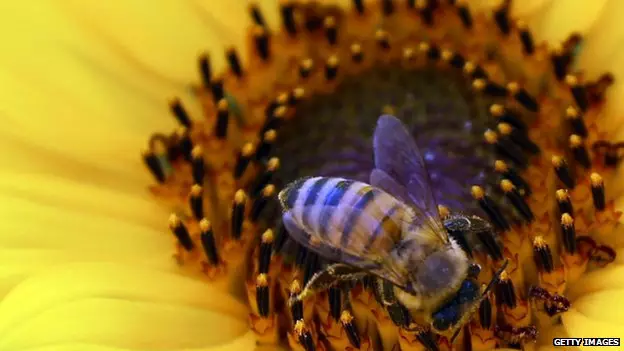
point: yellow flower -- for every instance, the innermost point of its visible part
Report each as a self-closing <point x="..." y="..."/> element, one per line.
<point x="84" y="253"/>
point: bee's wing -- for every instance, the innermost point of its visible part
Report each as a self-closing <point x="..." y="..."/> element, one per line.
<point x="404" y="172"/>
<point x="357" y="253"/>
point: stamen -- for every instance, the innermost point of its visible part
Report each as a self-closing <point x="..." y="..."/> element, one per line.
<point x="504" y="115"/>
<point x="464" y="14"/>
<point x="197" y="202"/>
<point x="563" y="200"/>
<point x="454" y="59"/>
<point x="208" y="241"/>
<point x="505" y="292"/>
<point x="331" y="68"/>
<point x="256" y="15"/>
<point x="518" y="137"/>
<point x="180" y="113"/>
<point x="276" y="118"/>
<point x="347" y="323"/>
<point x="563" y="171"/>
<point x="266" y="145"/>
<point x="244" y="157"/>
<point x="553" y="304"/>
<point x="223" y="116"/>
<point x="387" y="7"/>
<point x="569" y="233"/>
<point x="181" y="233"/>
<point x="516" y="199"/>
<point x="489" y="88"/>
<point x="310" y="266"/>
<point x="234" y="62"/>
<point x="474" y="71"/>
<point x="262" y="294"/>
<point x="427" y="339"/>
<point x="507" y="172"/>
<point x="305" y="68"/>
<point x="382" y="39"/>
<point x="359" y="6"/>
<point x="197" y="164"/>
<point x="490" y="207"/>
<point x="205" y="71"/>
<point x="560" y="60"/>
<point x="485" y="313"/>
<point x="261" y="40"/>
<point x="501" y="17"/>
<point x="153" y="164"/>
<point x="287" y="10"/>
<point x="280" y="236"/>
<point x="331" y="33"/>
<point x="577" y="124"/>
<point x="431" y="50"/>
<point x="523" y="97"/>
<point x="296" y="309"/>
<point x="492" y="246"/>
<point x="334" y="297"/>
<point x="426" y="12"/>
<point x="238" y="213"/>
<point x="356" y="53"/>
<point x="542" y="255"/>
<point x="271" y="167"/>
<point x="578" y="92"/>
<point x="305" y="337"/>
<point x="267" y="193"/>
<point x="596" y="90"/>
<point x="579" y="151"/>
<point x="506" y="148"/>
<point x="266" y="248"/>
<point x="216" y="87"/>
<point x="598" y="192"/>
<point x="186" y="145"/>
<point x="526" y="38"/>
<point x="296" y="96"/>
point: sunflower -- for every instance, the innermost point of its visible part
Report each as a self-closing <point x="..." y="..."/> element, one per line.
<point x="510" y="102"/>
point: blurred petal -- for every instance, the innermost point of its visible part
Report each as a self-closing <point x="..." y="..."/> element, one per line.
<point x="581" y="326"/>
<point x="119" y="306"/>
<point x="559" y="18"/>
<point x="602" y="306"/>
<point x="607" y="278"/>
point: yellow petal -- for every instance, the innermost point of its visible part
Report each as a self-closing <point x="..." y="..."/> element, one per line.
<point x="611" y="277"/>
<point x="120" y="306"/>
<point x="604" y="306"/>
<point x="559" y="18"/>
<point x="580" y="326"/>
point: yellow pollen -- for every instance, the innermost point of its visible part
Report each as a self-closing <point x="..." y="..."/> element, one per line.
<point x="497" y="110"/>
<point x="477" y="192"/>
<point x="521" y="25"/>
<point x="346" y="317"/>
<point x="174" y="221"/>
<point x="380" y="34"/>
<point x="571" y="80"/>
<point x="557" y="161"/>
<point x="268" y="190"/>
<point x="596" y="179"/>
<point x="196" y="190"/>
<point x="270" y="135"/>
<point x="248" y="149"/>
<point x="575" y="141"/>
<point x="446" y="55"/>
<point x="424" y="46"/>
<point x="443" y="211"/>
<point x="469" y="67"/>
<point x="571" y="112"/>
<point x="504" y="276"/>
<point x="307" y="63"/>
<point x="222" y="105"/>
<point x="513" y="87"/>
<point x="478" y="84"/>
<point x="300" y="327"/>
<point x="282" y="98"/>
<point x="295" y="287"/>
<point x="504" y="128"/>
<point x="506" y="185"/>
<point x="332" y="61"/>
<point x="262" y="280"/>
<point x="562" y="195"/>
<point x="557" y="49"/>
<point x="205" y="225"/>
<point x="539" y="242"/>
<point x="267" y="236"/>
<point x="567" y="220"/>
<point x="280" y="112"/>
<point x="500" y="166"/>
<point x="240" y="196"/>
<point x="490" y="136"/>
<point x="273" y="163"/>
<point x="197" y="152"/>
<point x="421" y="4"/>
<point x="356" y="48"/>
<point x="299" y="93"/>
<point x="408" y="53"/>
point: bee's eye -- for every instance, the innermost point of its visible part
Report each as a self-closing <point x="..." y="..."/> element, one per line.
<point x="444" y="318"/>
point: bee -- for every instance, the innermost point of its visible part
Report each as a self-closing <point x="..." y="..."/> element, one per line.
<point x="391" y="229"/>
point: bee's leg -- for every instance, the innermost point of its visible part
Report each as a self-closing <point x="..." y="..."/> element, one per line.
<point x="385" y="292"/>
<point x="332" y="275"/>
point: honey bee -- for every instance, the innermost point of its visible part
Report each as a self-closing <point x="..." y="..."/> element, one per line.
<point x="391" y="229"/>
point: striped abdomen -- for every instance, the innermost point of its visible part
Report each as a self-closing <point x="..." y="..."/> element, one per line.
<point x="346" y="214"/>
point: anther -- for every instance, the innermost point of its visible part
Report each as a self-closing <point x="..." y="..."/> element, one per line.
<point x="153" y="164"/>
<point x="180" y="113"/>
<point x="505" y="292"/>
<point x="296" y="96"/>
<point x="331" y="68"/>
<point x="334" y="297"/>
<point x="261" y="41"/>
<point x="492" y="247"/>
<point x="300" y="256"/>
<point x="356" y="53"/>
<point x="387" y="7"/>
<point x="427" y="339"/>
<point x="186" y="145"/>
<point x="266" y="248"/>
<point x="560" y="60"/>
<point x="501" y="17"/>
<point x="443" y="211"/>
<point x="563" y="201"/>
<point x="305" y="337"/>
<point x="431" y="50"/>
<point x="474" y="71"/>
<point x="489" y="88"/>
<point x="197" y="202"/>
<point x="216" y="87"/>
<point x="381" y="36"/>
<point x="197" y="165"/>
<point x="262" y="294"/>
<point x="464" y="15"/>
<point x="426" y="11"/>
<point x="489" y="207"/>
<point x="542" y="255"/>
<point x="347" y="323"/>
<point x="485" y="314"/>
<point x="563" y="171"/>
<point x="244" y="157"/>
<point x="305" y="68"/>
<point x="223" y="117"/>
<point x="507" y="172"/>
<point x="287" y="10"/>
<point x="507" y="148"/>
<point x="181" y="233"/>
<point x="359" y="6"/>
<point x="596" y="90"/>
<point x="568" y="232"/>
<point x="518" y="137"/>
<point x="296" y="309"/>
<point x="331" y="32"/>
<point x="577" y="124"/>
<point x="234" y="62"/>
<point x="523" y="97"/>
<point x="272" y="166"/>
<point x="454" y="59"/>
<point x="598" y="191"/>
<point x="579" y="151"/>
<point x="310" y="266"/>
<point x="238" y="213"/>
<point x="267" y="193"/>
<point x="280" y="236"/>
<point x="578" y="92"/>
<point x="205" y="70"/>
<point x="526" y="38"/>
<point x="266" y="144"/>
<point x="208" y="241"/>
<point x="506" y="116"/>
<point x="256" y="15"/>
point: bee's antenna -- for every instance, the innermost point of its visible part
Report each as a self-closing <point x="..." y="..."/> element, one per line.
<point x="494" y="280"/>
